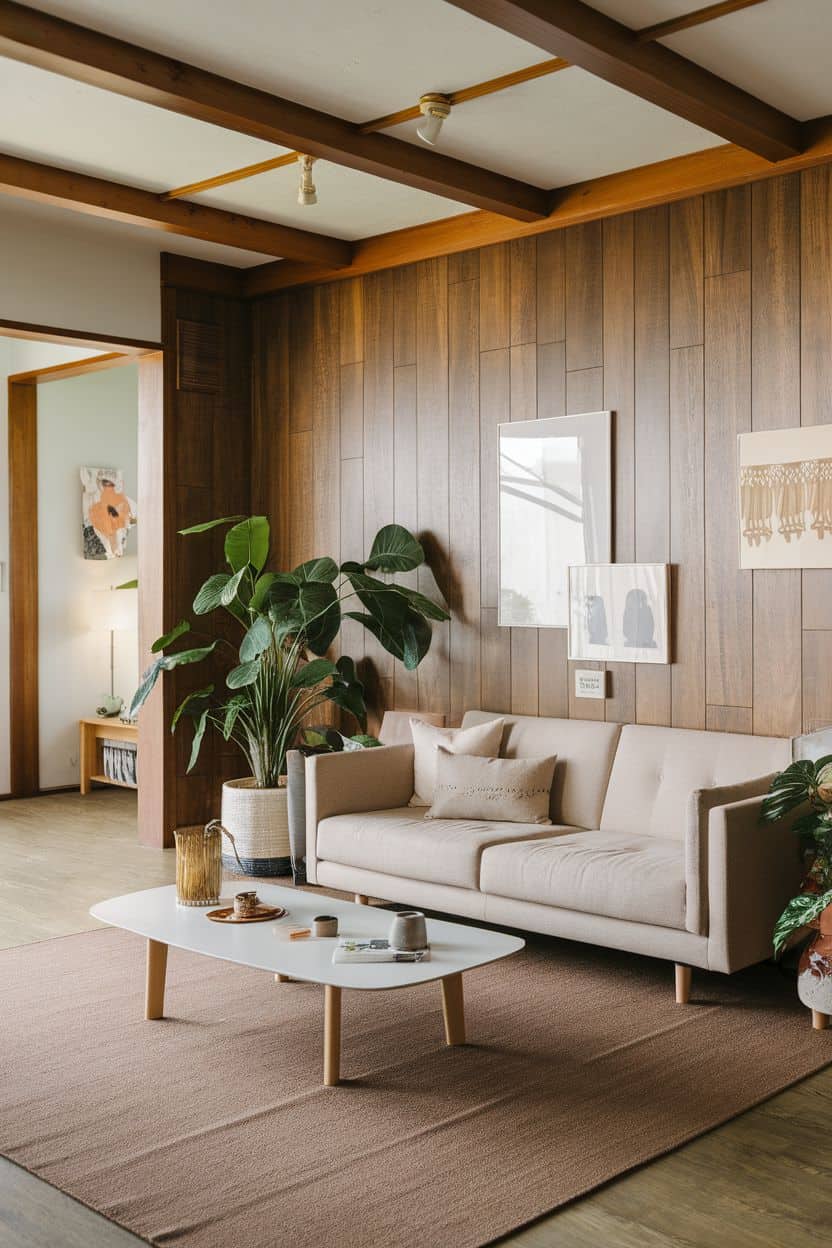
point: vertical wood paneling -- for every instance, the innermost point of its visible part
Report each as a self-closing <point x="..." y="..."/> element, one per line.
<point x="619" y="398"/>
<point x="464" y="503"/>
<point x="692" y="322"/>
<point x="728" y="619"/>
<point x="432" y="469"/>
<point x="775" y="400"/>
<point x="652" y="428"/>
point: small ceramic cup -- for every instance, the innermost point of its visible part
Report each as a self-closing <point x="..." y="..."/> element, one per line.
<point x="325" y="925"/>
<point x="408" y="931"/>
<point x="244" y="905"/>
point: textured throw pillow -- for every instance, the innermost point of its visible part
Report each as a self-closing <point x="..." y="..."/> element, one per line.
<point x="482" y="739"/>
<point x="508" y="790"/>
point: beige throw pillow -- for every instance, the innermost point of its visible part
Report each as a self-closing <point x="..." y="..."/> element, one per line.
<point x="508" y="790"/>
<point x="484" y="739"/>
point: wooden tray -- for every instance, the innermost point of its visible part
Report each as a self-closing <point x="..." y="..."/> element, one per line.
<point x="260" y="915"/>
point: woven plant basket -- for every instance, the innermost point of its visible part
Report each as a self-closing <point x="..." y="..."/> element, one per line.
<point x="258" y="819"/>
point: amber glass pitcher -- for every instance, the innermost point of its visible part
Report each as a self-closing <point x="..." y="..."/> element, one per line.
<point x="199" y="863"/>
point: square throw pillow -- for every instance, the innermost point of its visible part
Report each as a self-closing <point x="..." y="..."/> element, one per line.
<point x="508" y="790"/>
<point x="484" y="739"/>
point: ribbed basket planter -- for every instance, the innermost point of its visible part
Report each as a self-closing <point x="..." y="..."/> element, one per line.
<point x="258" y="819"/>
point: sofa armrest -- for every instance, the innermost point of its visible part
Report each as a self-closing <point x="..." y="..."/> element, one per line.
<point x="754" y="869"/>
<point x="355" y="780"/>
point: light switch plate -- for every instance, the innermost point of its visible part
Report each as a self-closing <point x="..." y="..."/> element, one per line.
<point x="590" y="684"/>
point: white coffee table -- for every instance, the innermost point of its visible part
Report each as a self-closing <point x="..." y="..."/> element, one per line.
<point x="455" y="948"/>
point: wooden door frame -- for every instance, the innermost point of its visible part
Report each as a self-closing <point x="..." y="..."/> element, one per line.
<point x="24" y="730"/>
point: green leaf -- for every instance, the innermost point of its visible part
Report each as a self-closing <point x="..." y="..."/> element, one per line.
<point x="199" y="733"/>
<point x="390" y="643"/>
<point x="416" y="638"/>
<point x="800" y="911"/>
<point x="169" y="661"/>
<point x="232" y="710"/>
<point x="793" y="786"/>
<point x="324" y="570"/>
<point x="259" y="600"/>
<point x="311" y="737"/>
<point x="209" y="596"/>
<point x="349" y="698"/>
<point x="257" y="639"/>
<point x="245" y="674"/>
<point x="128" y="585"/>
<point x="311" y="674"/>
<point x="145" y="688"/>
<point x="248" y="543"/>
<point x="186" y="704"/>
<point x="179" y="631"/>
<point x="367" y="743"/>
<point x="232" y="587"/>
<point x="209" y="524"/>
<point x="419" y="602"/>
<point x="310" y="609"/>
<point x="394" y="549"/>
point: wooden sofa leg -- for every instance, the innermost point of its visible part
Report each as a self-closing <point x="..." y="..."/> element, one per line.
<point x="820" y="1021"/>
<point x="683" y="975"/>
<point x="361" y="899"/>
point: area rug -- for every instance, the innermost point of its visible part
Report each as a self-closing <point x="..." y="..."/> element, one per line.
<point x="211" y="1128"/>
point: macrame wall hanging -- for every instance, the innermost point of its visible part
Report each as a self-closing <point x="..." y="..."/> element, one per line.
<point x="789" y="499"/>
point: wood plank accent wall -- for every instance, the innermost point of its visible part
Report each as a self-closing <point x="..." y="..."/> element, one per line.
<point x="379" y="398"/>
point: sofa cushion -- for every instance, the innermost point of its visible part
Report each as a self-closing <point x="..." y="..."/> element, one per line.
<point x="656" y="770"/>
<point x="482" y="739"/>
<point x="402" y="842"/>
<point x="505" y="790"/>
<point x="584" y="751"/>
<point x="619" y="875"/>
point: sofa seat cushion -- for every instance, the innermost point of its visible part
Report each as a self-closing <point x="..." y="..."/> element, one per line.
<point x="402" y="842"/>
<point x="619" y="875"/>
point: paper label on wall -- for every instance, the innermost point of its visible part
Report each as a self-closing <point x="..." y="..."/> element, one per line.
<point x="590" y="684"/>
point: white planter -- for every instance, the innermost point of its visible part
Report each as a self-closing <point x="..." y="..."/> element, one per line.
<point x="258" y="819"/>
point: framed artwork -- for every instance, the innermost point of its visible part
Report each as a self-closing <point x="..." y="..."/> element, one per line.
<point x="785" y="498"/>
<point x="620" y="612"/>
<point x="555" y="492"/>
<point x="107" y="514"/>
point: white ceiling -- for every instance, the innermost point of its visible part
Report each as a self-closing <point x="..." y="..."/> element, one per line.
<point x="364" y="58"/>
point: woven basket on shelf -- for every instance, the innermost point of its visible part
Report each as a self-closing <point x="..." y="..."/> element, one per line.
<point x="258" y="819"/>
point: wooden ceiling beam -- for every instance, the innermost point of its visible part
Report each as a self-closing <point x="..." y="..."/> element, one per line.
<point x="664" y="182"/>
<point x="698" y="17"/>
<point x="101" y="61"/>
<point x="613" y="52"/>
<point x="97" y="197"/>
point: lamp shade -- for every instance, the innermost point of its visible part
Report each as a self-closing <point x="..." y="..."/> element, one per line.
<point x="114" y="610"/>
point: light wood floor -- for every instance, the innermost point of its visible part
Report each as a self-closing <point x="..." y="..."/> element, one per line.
<point x="761" y="1181"/>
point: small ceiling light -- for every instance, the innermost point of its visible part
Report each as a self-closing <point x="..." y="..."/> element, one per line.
<point x="307" y="191"/>
<point x="435" y="109"/>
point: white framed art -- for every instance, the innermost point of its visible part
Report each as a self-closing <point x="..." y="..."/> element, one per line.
<point x="785" y="497"/>
<point x="620" y="612"/>
<point x="555" y="509"/>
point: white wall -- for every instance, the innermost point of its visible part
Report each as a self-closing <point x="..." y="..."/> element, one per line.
<point x="84" y="421"/>
<point x="16" y="356"/>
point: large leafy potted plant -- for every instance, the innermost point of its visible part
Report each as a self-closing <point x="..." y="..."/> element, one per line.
<point x="285" y="623"/>
<point x="808" y="785"/>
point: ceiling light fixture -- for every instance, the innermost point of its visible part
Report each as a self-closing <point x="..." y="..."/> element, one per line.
<point x="307" y="191"/>
<point x="435" y="109"/>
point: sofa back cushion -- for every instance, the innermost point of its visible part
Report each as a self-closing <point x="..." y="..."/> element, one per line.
<point x="656" y="770"/>
<point x="584" y="752"/>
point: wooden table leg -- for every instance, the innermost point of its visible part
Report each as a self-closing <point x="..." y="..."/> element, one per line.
<point x="453" y="1008"/>
<point x="87" y="747"/>
<point x="157" y="961"/>
<point x="820" y="1021"/>
<point x="332" y="1035"/>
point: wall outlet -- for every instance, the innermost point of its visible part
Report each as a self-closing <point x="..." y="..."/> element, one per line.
<point x="590" y="684"/>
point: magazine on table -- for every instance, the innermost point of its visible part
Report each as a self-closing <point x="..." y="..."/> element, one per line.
<point x="355" y="949"/>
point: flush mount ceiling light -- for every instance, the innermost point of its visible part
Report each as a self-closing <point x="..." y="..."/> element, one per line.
<point x="307" y="191"/>
<point x="435" y="108"/>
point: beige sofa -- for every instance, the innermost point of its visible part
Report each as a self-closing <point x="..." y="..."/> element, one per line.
<point x="655" y="847"/>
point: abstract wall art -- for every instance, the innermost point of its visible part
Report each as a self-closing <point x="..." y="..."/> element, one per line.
<point x="620" y="612"/>
<point x="785" y="498"/>
<point x="555" y="510"/>
<point x="107" y="514"/>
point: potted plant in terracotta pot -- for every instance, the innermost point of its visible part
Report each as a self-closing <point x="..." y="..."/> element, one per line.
<point x="286" y="622"/>
<point x="808" y="785"/>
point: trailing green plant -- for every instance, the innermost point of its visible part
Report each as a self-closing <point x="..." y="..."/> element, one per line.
<point x="807" y="785"/>
<point x="287" y="622"/>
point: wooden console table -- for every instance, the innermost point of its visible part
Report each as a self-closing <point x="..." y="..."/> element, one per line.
<point x="93" y="732"/>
